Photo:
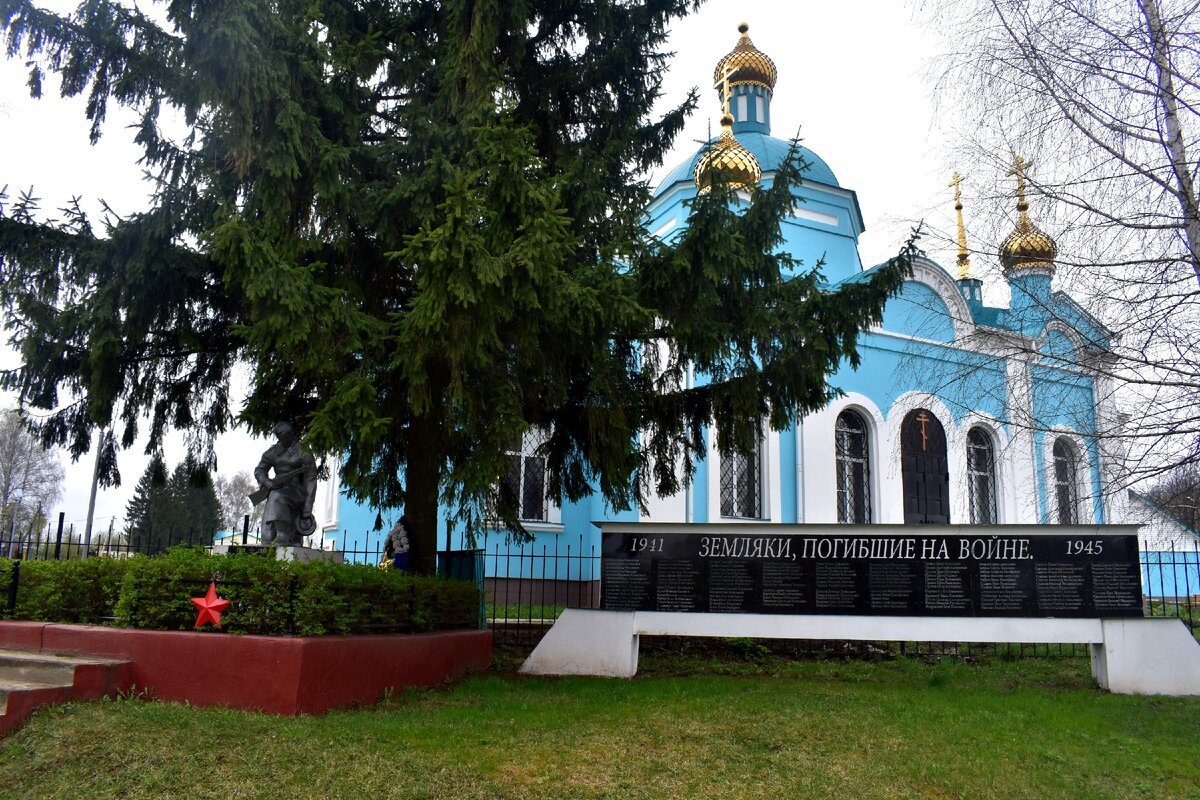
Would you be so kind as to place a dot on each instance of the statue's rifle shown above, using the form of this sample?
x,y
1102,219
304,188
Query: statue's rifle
x,y
263,492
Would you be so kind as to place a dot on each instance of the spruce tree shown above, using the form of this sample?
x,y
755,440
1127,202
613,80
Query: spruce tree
x,y
195,500
165,511
145,529
420,225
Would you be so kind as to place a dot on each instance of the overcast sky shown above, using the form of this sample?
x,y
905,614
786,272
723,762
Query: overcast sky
x,y
851,83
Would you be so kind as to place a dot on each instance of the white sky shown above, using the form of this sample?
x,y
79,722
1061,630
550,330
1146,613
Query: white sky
x,y
851,82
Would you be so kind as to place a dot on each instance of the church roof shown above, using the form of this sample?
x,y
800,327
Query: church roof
x,y
770,153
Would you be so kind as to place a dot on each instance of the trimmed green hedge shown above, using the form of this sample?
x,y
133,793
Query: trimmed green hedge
x,y
267,596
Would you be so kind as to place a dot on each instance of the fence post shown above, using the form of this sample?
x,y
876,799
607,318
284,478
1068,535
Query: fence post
x,y
477,572
62,516
245,529
12,587
542,593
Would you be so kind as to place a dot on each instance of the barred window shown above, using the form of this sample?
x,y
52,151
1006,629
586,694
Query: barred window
x,y
853,469
1066,482
524,486
981,477
741,483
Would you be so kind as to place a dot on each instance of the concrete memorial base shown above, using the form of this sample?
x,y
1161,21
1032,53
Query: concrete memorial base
x,y
299,554
1129,656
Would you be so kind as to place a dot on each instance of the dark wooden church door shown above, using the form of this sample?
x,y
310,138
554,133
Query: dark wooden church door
x,y
924,471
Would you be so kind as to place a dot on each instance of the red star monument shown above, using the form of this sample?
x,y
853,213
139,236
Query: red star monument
x,y
210,607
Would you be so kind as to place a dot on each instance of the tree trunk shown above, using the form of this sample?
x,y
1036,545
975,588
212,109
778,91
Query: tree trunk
x,y
425,463
421,504
1184,185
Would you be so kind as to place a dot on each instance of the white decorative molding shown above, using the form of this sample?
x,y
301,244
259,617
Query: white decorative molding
x,y
929,273
816,216
666,228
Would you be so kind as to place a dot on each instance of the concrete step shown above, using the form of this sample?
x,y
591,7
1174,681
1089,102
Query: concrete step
x,y
30,680
19,667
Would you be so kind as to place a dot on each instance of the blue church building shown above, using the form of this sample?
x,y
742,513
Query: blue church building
x,y
960,412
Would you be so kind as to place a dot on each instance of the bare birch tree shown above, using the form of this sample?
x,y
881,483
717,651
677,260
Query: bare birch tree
x,y
1104,96
1178,493
30,477
233,495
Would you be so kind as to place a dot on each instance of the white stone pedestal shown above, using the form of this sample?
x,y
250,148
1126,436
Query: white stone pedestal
x,y
303,554
299,554
1129,656
1154,655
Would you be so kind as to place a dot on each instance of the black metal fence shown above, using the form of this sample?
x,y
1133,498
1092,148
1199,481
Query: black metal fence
x,y
1171,584
58,540
527,587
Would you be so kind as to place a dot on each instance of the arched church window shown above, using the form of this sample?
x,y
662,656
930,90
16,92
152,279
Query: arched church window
x,y
1066,482
741,483
981,477
524,485
853,468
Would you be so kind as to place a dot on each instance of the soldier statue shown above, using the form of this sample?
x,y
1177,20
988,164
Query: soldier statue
x,y
290,493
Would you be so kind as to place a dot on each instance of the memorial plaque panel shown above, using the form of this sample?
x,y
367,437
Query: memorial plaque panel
x,y
625,584
947,589
679,585
836,586
785,572
1006,589
892,585
787,587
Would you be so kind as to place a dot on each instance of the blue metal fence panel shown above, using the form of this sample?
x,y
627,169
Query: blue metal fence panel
x,y
1171,573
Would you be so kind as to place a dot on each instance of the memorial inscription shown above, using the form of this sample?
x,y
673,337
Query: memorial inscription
x,y
794,573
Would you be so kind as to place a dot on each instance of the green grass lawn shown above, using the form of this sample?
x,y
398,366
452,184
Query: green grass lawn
x,y
690,726
519,612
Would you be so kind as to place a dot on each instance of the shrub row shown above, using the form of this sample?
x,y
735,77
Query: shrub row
x,y
267,596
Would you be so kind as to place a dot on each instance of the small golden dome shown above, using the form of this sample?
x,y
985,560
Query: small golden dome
x,y
1028,246
731,163
745,63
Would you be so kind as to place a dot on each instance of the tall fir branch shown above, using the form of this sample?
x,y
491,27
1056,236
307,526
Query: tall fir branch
x,y
421,225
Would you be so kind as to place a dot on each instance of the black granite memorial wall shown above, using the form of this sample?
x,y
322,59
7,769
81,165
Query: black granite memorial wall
x,y
914,575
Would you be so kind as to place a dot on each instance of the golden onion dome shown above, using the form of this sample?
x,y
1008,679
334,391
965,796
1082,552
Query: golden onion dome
x,y
1028,246
745,63
727,160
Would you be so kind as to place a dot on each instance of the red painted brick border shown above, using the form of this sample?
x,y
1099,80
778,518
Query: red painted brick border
x,y
278,674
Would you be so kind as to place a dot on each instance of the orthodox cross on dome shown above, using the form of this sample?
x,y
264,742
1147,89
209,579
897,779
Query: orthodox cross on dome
x,y
955,180
964,259
1027,246
1020,166
723,86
